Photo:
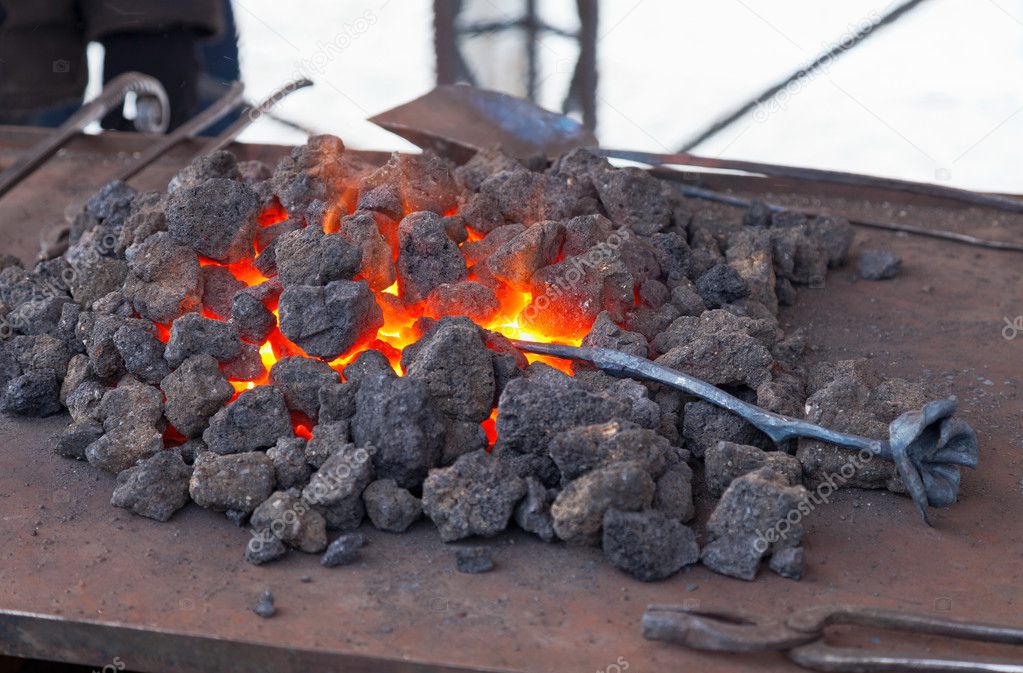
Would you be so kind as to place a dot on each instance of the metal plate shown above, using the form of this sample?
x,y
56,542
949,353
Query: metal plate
x,y
103,583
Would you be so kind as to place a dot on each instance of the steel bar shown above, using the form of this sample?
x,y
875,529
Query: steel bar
x,y
926,445
994,201
249,116
826,58
191,128
941,234
149,119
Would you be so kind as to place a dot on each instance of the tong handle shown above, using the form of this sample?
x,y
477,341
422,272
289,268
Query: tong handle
x,y
814,620
820,656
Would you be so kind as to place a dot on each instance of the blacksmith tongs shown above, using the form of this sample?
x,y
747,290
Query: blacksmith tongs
x,y
801,637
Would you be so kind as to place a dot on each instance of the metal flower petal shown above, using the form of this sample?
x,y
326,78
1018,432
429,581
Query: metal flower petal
x,y
928,446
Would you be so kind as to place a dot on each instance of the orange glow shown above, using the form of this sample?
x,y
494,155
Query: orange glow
x,y
402,322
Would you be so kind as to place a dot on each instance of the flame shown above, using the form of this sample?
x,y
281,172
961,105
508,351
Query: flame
x,y
401,326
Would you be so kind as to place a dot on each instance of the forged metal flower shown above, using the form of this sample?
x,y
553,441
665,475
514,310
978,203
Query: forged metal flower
x,y
928,446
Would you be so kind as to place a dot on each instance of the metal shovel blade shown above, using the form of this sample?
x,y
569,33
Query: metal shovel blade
x,y
456,121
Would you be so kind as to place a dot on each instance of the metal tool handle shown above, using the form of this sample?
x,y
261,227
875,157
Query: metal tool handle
x,y
814,620
820,656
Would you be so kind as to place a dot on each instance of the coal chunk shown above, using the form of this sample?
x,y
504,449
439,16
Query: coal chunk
x,y
310,257
265,605
582,449
337,402
457,368
76,437
335,490
578,511
473,300
194,392
475,496
427,257
879,265
704,425
141,351
515,262
758,515
240,482
397,416
292,520
377,265
607,334
391,507
327,322
648,545
34,393
193,334
527,420
726,461
789,562
216,218
264,548
300,379
721,285
474,560
121,448
343,551
533,513
164,279
326,440
253,320
255,420
834,235
674,495
367,365
421,181
290,466
719,347
633,198
156,487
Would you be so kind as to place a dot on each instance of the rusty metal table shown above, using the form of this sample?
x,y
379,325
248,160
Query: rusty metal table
x,y
82,581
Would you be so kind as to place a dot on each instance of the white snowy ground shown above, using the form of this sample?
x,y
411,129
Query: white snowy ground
x,y
936,97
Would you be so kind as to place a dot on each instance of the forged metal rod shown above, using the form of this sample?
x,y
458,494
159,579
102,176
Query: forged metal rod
x,y
739,202
153,117
251,114
994,201
803,640
825,59
926,445
194,126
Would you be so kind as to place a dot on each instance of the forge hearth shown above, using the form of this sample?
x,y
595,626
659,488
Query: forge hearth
x,y
305,347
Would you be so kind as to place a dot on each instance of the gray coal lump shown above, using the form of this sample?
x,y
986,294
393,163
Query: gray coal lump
x,y
673,496
879,265
789,562
584,448
76,437
515,262
533,513
156,487
328,321
217,219
474,560
605,333
218,289
327,439
192,334
337,401
265,605
256,419
427,258
263,548
290,466
397,417
726,462
474,300
377,268
391,507
141,351
310,257
253,320
34,393
366,365
578,511
288,517
704,425
475,496
454,362
164,279
240,482
633,198
527,421
753,519
648,545
194,392
343,551
721,285
335,490
118,450
300,379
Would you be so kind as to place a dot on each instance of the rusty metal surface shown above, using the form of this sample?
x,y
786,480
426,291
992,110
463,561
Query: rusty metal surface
x,y
69,556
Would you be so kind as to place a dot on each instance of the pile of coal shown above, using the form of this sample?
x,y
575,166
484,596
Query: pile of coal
x,y
152,332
